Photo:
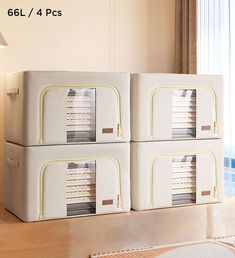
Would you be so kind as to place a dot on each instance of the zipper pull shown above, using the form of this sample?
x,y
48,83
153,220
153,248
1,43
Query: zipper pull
x,y
119,131
215,127
119,201
215,191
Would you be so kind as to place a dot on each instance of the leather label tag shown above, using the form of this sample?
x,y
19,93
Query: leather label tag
x,y
107,202
205,193
205,128
107,130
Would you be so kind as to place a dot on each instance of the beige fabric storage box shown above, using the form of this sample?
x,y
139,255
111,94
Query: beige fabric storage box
x,y
175,173
176,106
55,107
48,182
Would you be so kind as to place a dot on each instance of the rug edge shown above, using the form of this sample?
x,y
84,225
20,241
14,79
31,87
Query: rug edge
x,y
151,247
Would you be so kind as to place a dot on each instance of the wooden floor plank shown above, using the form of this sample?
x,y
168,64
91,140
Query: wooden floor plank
x,y
79,237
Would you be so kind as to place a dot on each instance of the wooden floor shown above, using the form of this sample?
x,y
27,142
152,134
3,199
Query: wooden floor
x,y
79,237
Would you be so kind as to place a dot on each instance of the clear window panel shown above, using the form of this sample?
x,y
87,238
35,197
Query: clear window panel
x,y
184,180
81,188
81,115
184,113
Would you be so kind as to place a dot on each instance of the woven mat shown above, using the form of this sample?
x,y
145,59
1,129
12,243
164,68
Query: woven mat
x,y
154,252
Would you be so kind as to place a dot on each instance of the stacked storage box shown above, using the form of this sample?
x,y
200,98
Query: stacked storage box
x,y
67,144
177,146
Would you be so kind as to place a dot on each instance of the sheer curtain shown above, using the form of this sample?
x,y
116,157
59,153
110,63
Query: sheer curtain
x,y
216,55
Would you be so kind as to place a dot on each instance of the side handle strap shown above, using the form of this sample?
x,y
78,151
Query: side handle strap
x,y
12,91
12,162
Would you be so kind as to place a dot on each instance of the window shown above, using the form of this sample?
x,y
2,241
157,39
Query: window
x,y
216,55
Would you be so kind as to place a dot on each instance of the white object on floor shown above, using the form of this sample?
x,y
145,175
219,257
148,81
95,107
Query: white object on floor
x,y
205,250
227,240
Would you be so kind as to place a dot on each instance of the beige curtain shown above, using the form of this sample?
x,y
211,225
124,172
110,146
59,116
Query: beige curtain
x,y
185,36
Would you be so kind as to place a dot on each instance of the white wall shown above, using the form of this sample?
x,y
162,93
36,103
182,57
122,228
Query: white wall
x,y
92,35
